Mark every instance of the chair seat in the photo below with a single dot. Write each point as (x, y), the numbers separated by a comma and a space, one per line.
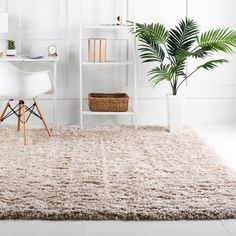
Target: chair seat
(16, 84)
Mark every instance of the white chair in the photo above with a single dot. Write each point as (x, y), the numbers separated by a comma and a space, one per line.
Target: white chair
(19, 85)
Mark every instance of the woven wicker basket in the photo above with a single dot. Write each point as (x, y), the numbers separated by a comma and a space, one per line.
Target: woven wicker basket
(108, 102)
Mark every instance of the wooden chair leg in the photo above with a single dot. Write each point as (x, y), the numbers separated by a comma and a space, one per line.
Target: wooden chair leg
(19, 117)
(4, 111)
(43, 119)
(24, 123)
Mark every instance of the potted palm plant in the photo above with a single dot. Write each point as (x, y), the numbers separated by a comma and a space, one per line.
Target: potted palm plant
(170, 49)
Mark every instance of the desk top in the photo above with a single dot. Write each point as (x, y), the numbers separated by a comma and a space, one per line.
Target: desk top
(26, 59)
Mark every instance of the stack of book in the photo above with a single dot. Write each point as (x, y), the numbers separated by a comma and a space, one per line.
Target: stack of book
(97, 49)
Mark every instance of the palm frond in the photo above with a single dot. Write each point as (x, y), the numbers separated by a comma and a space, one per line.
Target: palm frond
(151, 51)
(158, 74)
(180, 62)
(180, 68)
(182, 36)
(202, 52)
(212, 64)
(219, 39)
(155, 32)
(182, 55)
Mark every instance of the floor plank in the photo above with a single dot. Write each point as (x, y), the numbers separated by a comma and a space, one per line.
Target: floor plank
(41, 228)
(203, 228)
(123, 228)
(230, 226)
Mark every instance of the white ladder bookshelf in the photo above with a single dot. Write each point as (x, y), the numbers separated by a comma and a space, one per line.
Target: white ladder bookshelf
(127, 63)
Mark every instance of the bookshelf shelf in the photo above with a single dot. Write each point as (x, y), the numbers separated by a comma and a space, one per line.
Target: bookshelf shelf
(105, 27)
(108, 63)
(112, 39)
(129, 64)
(93, 113)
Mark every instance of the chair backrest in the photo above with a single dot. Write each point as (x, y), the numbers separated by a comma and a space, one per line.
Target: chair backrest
(17, 84)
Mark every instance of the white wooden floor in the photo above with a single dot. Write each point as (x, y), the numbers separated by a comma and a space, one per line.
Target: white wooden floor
(222, 138)
(118, 228)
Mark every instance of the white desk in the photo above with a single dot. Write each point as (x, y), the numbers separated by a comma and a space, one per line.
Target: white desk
(47, 59)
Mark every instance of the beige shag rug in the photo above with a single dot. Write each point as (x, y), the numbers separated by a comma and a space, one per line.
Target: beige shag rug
(112, 173)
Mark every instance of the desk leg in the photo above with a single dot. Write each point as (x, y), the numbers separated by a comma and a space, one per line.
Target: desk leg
(55, 95)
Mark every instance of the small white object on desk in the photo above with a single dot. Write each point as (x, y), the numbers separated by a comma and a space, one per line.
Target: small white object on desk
(51, 59)
(52, 50)
(33, 57)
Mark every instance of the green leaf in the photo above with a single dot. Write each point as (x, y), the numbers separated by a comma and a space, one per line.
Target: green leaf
(150, 36)
(182, 55)
(155, 32)
(151, 51)
(180, 62)
(158, 74)
(212, 64)
(182, 36)
(219, 40)
(202, 52)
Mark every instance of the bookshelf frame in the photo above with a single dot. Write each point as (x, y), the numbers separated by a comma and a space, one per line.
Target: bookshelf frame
(132, 112)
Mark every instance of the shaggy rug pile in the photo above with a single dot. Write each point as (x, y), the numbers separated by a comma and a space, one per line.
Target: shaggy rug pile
(112, 173)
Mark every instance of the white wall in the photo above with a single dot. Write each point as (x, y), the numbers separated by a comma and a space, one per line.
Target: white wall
(34, 24)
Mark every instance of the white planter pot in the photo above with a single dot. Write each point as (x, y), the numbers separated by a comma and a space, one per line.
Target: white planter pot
(175, 113)
(11, 52)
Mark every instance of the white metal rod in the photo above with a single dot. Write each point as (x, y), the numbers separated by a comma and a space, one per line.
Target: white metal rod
(135, 70)
(55, 95)
(80, 78)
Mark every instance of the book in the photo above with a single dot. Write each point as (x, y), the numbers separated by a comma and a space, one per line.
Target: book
(103, 48)
(91, 51)
(97, 46)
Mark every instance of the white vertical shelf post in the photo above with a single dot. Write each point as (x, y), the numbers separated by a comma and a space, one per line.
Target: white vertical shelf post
(135, 70)
(135, 83)
(134, 55)
(81, 77)
(55, 95)
(80, 65)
